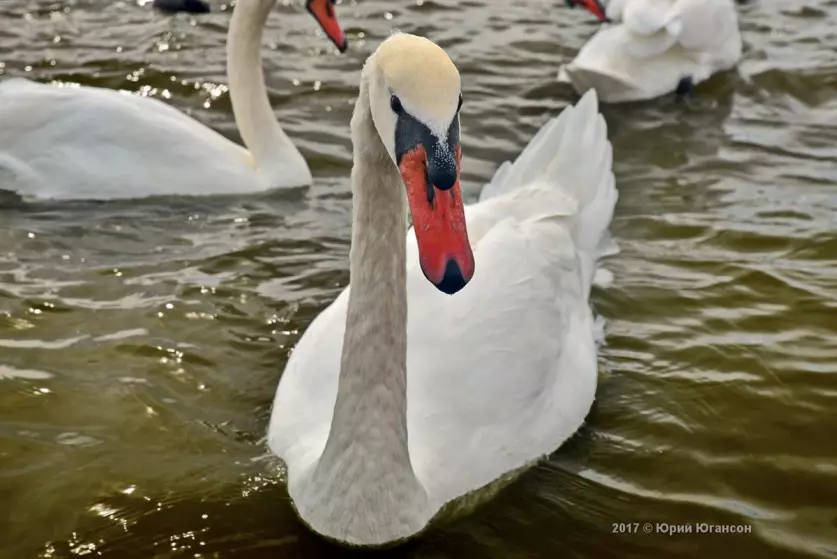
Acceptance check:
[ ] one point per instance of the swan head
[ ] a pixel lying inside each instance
(595, 7)
(415, 94)
(323, 12)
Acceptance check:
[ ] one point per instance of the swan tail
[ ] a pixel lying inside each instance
(582, 167)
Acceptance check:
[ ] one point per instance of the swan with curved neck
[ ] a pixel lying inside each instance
(654, 47)
(401, 399)
(93, 143)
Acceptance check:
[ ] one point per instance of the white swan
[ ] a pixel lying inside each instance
(93, 143)
(383, 416)
(655, 47)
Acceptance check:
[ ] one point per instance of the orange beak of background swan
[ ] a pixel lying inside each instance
(323, 11)
(430, 169)
(595, 7)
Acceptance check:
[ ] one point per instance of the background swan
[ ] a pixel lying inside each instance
(654, 47)
(384, 416)
(93, 143)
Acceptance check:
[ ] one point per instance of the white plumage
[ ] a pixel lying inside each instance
(654, 44)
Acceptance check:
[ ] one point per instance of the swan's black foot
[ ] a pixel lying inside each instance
(684, 88)
(175, 6)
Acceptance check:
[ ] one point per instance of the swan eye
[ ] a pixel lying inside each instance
(395, 105)
(459, 107)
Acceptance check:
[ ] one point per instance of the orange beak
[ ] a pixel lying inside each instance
(595, 7)
(323, 12)
(435, 199)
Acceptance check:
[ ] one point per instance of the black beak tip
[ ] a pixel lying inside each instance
(343, 46)
(453, 280)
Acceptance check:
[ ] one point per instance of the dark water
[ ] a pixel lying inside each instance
(141, 342)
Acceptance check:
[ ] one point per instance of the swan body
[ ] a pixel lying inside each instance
(653, 46)
(93, 143)
(384, 416)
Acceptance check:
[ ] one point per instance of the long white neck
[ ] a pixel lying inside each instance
(364, 476)
(274, 153)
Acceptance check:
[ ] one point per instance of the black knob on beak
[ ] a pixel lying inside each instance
(441, 168)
